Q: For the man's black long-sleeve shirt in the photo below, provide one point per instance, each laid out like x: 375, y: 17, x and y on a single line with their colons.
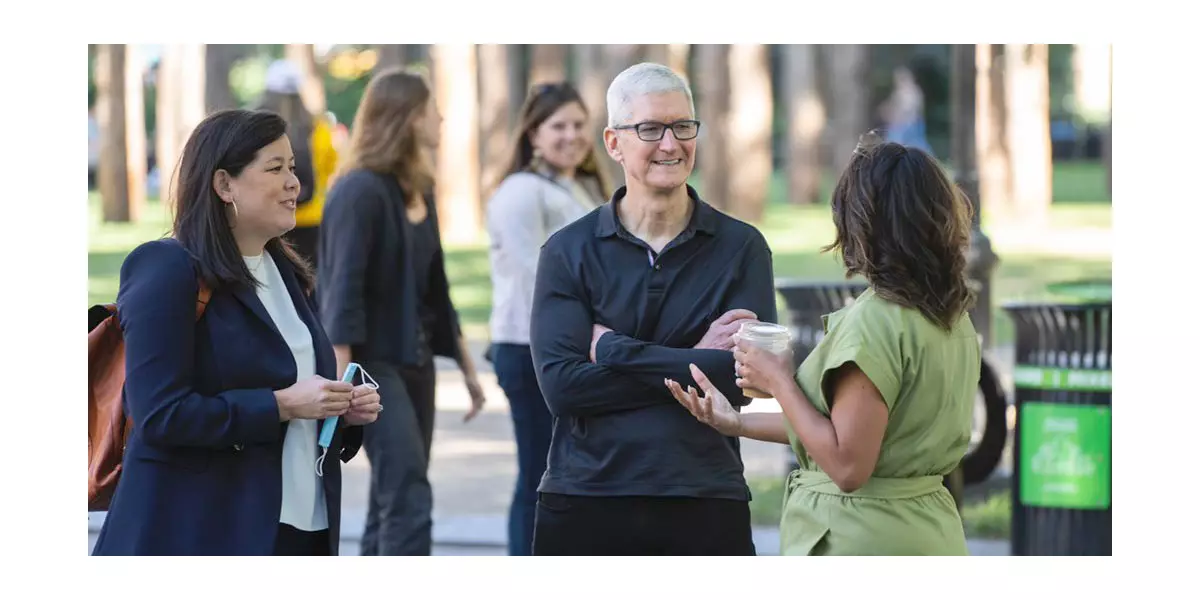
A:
x: 617, y: 429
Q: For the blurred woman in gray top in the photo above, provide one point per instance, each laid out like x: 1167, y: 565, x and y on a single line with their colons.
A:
x: 551, y: 180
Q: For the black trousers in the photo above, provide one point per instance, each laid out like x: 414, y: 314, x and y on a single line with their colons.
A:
x: 400, y: 502
x: 297, y: 542
x: 641, y: 526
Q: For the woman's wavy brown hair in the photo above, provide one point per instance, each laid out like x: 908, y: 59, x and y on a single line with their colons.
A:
x: 904, y: 226
x: 383, y: 137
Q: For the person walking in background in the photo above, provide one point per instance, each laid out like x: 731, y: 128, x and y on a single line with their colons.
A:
x: 904, y: 111
x: 316, y: 158
x: 552, y: 179
x: 881, y: 410
x: 385, y: 299
x: 223, y: 456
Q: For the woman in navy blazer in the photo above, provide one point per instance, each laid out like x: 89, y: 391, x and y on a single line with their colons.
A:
x: 226, y: 409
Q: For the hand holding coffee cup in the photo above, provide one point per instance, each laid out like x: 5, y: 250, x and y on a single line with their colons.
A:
x: 763, y: 358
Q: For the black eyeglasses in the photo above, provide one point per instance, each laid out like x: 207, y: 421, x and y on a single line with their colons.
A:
x: 653, y: 131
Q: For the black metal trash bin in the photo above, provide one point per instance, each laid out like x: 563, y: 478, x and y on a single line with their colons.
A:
x: 1061, y: 486
x: 806, y: 302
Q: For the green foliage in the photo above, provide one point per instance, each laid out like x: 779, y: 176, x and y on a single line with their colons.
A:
x: 990, y: 518
x: 1079, y: 182
x: 91, y: 75
x: 766, y: 500
x: 343, y: 95
x: 248, y: 78
x: 248, y: 75
x: 150, y: 114
x: 1062, y: 81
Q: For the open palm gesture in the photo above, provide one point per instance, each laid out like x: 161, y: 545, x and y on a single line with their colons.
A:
x: 712, y: 409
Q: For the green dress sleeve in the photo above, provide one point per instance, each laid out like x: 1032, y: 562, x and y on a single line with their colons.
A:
x: 876, y: 362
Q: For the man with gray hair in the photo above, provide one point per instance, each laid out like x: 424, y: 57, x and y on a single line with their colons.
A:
x: 625, y: 298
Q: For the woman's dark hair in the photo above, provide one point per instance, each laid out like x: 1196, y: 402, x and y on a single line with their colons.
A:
x: 903, y: 225
x: 541, y: 103
x: 229, y: 140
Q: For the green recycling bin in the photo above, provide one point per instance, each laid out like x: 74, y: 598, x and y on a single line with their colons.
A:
x: 1062, y: 481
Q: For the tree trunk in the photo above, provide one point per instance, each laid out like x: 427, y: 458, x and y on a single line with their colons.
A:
x: 110, y: 117
x: 849, y: 112
x: 598, y: 65
x: 391, y: 55
x: 714, y: 104
x: 964, y: 92
x: 219, y: 59
x: 548, y: 63
x: 180, y: 107
x: 1028, y: 96
x: 806, y: 120
x: 677, y: 59
x: 121, y: 118
x: 991, y: 131
x: 167, y: 142
x: 135, y: 133
x: 312, y: 87
x: 518, y: 80
x: 594, y: 77
x: 674, y: 56
x: 496, y: 125
x: 749, y: 132
x: 655, y: 53
x: 457, y: 192
x: 1092, y: 81
x: 592, y: 82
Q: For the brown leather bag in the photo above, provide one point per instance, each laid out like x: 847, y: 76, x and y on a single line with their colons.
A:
x: 108, y: 426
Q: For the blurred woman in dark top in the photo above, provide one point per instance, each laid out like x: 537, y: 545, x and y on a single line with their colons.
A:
x: 385, y: 300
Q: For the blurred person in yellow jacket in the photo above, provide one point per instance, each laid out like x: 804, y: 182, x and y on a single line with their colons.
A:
x: 316, y: 156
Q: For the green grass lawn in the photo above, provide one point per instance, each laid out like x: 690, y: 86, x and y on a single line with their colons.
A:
x: 795, y: 233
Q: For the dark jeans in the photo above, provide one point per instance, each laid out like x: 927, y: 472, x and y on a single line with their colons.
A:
x: 297, y: 542
x: 532, y: 425
x: 641, y: 526
x: 400, y: 505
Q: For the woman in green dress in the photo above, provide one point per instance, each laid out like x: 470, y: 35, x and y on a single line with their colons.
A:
x: 880, y: 410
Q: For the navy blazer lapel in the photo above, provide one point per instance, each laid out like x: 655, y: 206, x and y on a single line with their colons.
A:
x: 249, y: 297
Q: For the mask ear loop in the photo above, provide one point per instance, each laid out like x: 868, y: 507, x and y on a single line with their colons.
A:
x: 371, y: 383
x: 321, y: 462
x: 367, y: 379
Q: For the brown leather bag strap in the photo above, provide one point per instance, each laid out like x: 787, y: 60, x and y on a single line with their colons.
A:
x: 202, y: 300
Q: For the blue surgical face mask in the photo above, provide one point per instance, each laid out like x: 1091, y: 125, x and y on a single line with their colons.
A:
x: 329, y: 425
